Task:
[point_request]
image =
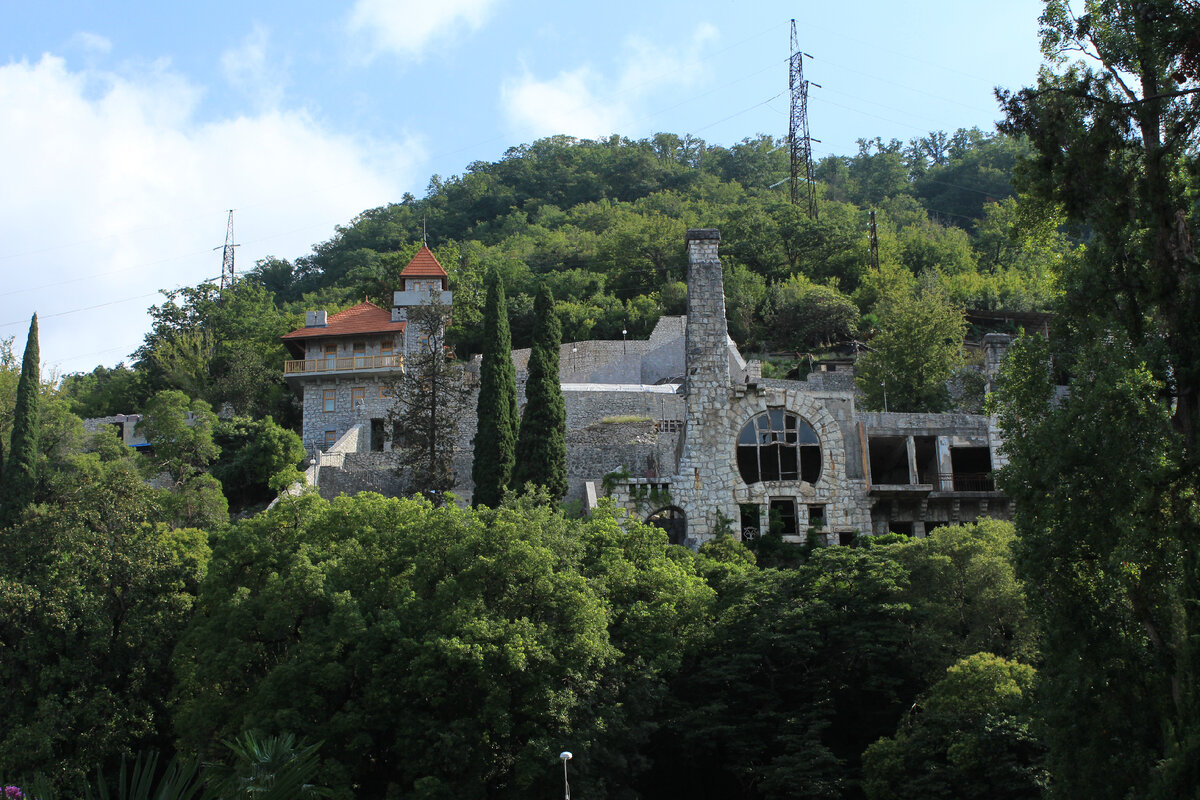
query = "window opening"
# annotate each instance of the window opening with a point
(751, 521)
(672, 520)
(905, 528)
(783, 516)
(778, 446)
(972, 468)
(927, 462)
(360, 355)
(330, 439)
(330, 356)
(889, 459)
(358, 397)
(330, 400)
(376, 435)
(816, 516)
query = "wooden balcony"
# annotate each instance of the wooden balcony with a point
(314, 366)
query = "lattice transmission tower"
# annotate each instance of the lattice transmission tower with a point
(227, 273)
(799, 142)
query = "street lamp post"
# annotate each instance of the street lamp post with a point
(565, 755)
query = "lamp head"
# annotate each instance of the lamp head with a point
(565, 755)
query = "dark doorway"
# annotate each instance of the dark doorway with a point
(672, 520)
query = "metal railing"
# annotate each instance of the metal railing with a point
(960, 481)
(342, 364)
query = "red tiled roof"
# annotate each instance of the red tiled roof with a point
(363, 318)
(423, 265)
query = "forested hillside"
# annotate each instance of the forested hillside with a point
(602, 223)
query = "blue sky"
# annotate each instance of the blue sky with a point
(129, 128)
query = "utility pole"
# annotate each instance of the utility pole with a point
(799, 142)
(227, 273)
(874, 242)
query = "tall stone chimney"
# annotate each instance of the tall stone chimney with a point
(707, 331)
(705, 461)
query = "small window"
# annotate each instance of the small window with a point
(384, 392)
(358, 397)
(816, 516)
(330, 400)
(330, 438)
(330, 356)
(751, 521)
(385, 347)
(360, 355)
(783, 516)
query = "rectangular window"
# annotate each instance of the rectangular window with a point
(384, 393)
(360, 355)
(358, 397)
(783, 516)
(385, 347)
(330, 356)
(330, 438)
(330, 400)
(816, 516)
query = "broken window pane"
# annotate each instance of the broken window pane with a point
(778, 446)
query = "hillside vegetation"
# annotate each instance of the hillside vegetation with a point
(602, 224)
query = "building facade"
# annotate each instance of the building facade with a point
(684, 432)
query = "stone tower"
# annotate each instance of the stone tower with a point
(704, 463)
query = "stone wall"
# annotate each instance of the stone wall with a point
(344, 416)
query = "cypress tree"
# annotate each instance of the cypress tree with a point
(496, 436)
(20, 477)
(542, 441)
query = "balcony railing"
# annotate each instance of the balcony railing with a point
(960, 481)
(342, 364)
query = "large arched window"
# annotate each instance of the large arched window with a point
(778, 446)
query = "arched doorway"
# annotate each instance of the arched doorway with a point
(672, 520)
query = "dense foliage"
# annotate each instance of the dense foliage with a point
(542, 436)
(1105, 481)
(438, 651)
(496, 411)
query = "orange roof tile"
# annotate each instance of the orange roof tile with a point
(363, 318)
(424, 265)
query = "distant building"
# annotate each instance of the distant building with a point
(680, 429)
(341, 362)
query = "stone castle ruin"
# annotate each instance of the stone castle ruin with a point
(679, 429)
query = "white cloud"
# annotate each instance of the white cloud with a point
(250, 70)
(119, 191)
(91, 43)
(408, 27)
(567, 103)
(587, 103)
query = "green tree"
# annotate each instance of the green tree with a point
(94, 591)
(542, 439)
(802, 670)
(252, 453)
(438, 651)
(496, 435)
(430, 398)
(181, 433)
(970, 736)
(1104, 482)
(965, 596)
(20, 472)
(915, 352)
(804, 315)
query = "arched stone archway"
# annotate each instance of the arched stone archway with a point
(671, 519)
